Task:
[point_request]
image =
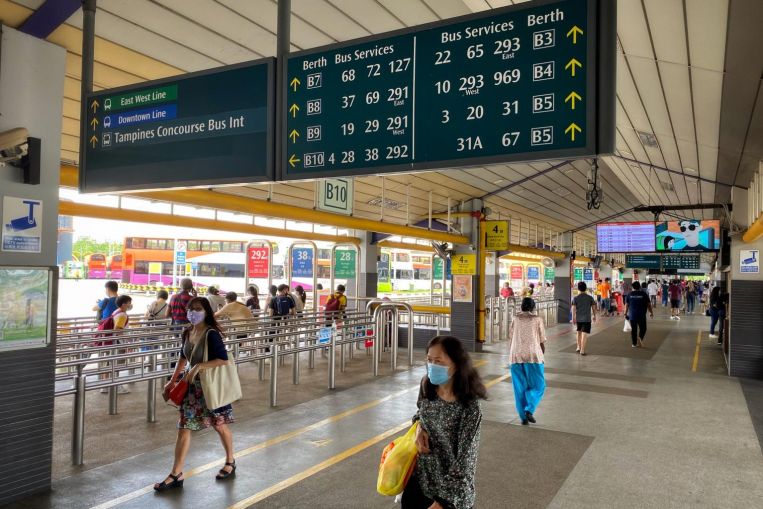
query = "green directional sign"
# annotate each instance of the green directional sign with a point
(578, 274)
(530, 81)
(686, 262)
(549, 274)
(344, 264)
(209, 127)
(642, 261)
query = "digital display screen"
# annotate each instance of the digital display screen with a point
(688, 235)
(637, 237)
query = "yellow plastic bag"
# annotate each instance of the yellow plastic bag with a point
(397, 463)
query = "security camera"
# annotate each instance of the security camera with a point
(13, 144)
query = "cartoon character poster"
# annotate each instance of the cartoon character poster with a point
(689, 235)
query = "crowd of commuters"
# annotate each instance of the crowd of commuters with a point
(449, 414)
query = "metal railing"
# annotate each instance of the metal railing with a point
(147, 351)
(501, 311)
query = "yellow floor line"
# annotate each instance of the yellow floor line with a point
(301, 476)
(262, 445)
(696, 352)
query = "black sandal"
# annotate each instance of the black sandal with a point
(222, 474)
(176, 483)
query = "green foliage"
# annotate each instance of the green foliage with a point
(84, 246)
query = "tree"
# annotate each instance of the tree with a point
(84, 246)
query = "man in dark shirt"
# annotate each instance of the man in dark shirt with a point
(635, 311)
(179, 302)
(674, 290)
(583, 313)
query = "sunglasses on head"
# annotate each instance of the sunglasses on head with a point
(691, 227)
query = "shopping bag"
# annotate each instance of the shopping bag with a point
(221, 385)
(397, 463)
(627, 326)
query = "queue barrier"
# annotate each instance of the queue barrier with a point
(147, 351)
(500, 312)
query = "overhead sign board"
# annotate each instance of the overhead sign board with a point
(464, 264)
(511, 84)
(336, 195)
(686, 262)
(496, 235)
(642, 261)
(208, 127)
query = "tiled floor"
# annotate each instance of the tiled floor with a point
(616, 429)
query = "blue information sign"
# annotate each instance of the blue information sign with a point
(588, 274)
(533, 272)
(302, 262)
(324, 335)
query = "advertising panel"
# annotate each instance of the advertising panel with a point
(688, 235)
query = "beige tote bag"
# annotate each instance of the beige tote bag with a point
(220, 385)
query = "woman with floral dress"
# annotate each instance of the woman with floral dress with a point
(204, 332)
(448, 435)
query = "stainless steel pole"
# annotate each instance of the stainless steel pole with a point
(78, 429)
(332, 359)
(151, 394)
(274, 374)
(394, 339)
(113, 405)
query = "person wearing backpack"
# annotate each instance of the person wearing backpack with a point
(335, 306)
(159, 309)
(105, 307)
(282, 305)
(118, 320)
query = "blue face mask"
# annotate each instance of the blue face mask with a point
(437, 374)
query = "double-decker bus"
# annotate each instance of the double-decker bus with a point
(114, 266)
(96, 266)
(150, 260)
(403, 271)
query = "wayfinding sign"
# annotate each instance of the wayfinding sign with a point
(496, 235)
(209, 127)
(336, 195)
(530, 81)
(344, 263)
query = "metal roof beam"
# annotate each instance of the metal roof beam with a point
(49, 16)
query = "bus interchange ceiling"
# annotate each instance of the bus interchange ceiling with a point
(689, 107)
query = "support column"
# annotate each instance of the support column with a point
(31, 96)
(492, 283)
(563, 289)
(369, 256)
(744, 344)
(465, 316)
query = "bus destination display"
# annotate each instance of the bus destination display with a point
(210, 127)
(507, 85)
(636, 237)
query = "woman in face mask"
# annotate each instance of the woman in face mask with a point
(527, 338)
(448, 436)
(204, 332)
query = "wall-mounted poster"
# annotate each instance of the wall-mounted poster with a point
(462, 288)
(25, 307)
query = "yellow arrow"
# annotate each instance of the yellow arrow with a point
(294, 159)
(294, 83)
(572, 97)
(95, 105)
(571, 64)
(94, 140)
(571, 129)
(294, 109)
(94, 123)
(574, 31)
(293, 135)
